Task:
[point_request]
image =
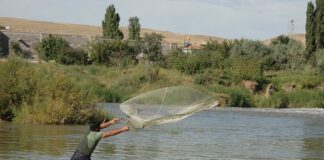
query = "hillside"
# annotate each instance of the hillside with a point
(24, 25)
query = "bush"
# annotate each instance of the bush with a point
(113, 52)
(282, 39)
(17, 86)
(44, 93)
(15, 48)
(246, 68)
(70, 56)
(320, 61)
(152, 47)
(51, 46)
(285, 55)
(249, 48)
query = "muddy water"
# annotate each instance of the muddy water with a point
(214, 134)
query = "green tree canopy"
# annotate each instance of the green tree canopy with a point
(310, 29)
(152, 46)
(51, 46)
(110, 25)
(134, 28)
(319, 24)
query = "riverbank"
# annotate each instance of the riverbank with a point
(50, 93)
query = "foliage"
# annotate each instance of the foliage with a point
(278, 100)
(310, 29)
(113, 52)
(110, 24)
(246, 68)
(319, 24)
(238, 97)
(320, 61)
(15, 48)
(249, 48)
(282, 39)
(42, 94)
(51, 46)
(16, 86)
(285, 56)
(71, 56)
(152, 46)
(134, 28)
(306, 98)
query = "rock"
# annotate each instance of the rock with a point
(251, 85)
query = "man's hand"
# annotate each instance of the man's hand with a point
(114, 121)
(106, 124)
(125, 128)
(115, 132)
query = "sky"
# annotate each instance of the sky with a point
(253, 19)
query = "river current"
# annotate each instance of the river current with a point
(229, 133)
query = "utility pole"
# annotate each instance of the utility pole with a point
(291, 28)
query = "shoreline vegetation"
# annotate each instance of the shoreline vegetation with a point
(240, 73)
(51, 93)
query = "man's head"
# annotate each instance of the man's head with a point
(95, 126)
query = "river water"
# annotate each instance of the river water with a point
(215, 134)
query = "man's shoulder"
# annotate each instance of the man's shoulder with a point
(96, 134)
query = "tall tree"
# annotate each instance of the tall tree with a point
(134, 28)
(110, 25)
(310, 29)
(319, 24)
(152, 46)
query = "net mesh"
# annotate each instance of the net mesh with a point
(166, 105)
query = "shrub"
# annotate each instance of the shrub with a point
(152, 46)
(15, 48)
(113, 52)
(320, 61)
(246, 68)
(44, 93)
(71, 56)
(51, 46)
(285, 55)
(250, 48)
(282, 39)
(17, 86)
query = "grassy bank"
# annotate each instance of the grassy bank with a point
(57, 94)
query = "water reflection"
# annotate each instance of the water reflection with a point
(19, 140)
(313, 148)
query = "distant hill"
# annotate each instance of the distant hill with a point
(24, 25)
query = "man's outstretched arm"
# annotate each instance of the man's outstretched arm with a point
(115, 132)
(106, 124)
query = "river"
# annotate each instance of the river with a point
(214, 134)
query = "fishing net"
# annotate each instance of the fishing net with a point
(166, 105)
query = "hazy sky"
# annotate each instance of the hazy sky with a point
(255, 19)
